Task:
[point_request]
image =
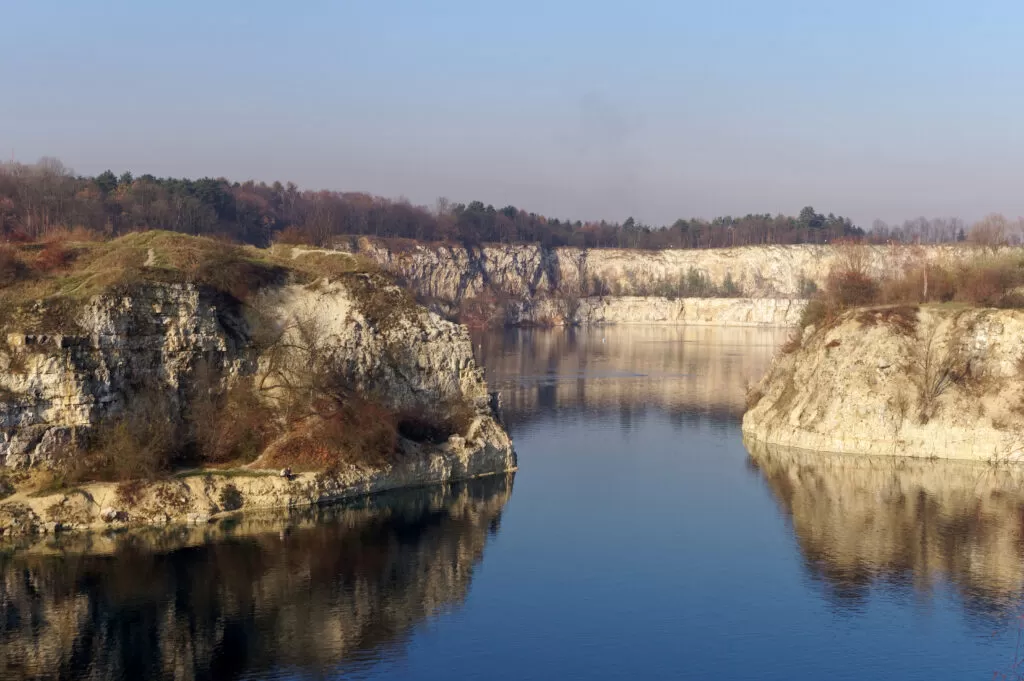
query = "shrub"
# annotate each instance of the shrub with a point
(6, 487)
(54, 256)
(437, 424)
(12, 269)
(850, 288)
(846, 288)
(792, 343)
(729, 287)
(360, 431)
(296, 236)
(990, 282)
(141, 443)
(73, 235)
(231, 498)
(129, 492)
(901, 318)
(807, 287)
(227, 269)
(815, 312)
(230, 425)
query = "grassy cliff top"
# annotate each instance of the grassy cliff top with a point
(41, 283)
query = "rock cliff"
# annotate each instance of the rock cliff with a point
(57, 389)
(933, 381)
(455, 273)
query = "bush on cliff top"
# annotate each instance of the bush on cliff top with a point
(987, 280)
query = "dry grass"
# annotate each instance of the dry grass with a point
(40, 284)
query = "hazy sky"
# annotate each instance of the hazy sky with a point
(579, 108)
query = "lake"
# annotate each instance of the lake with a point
(640, 539)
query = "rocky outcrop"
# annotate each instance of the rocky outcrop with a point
(260, 595)
(56, 389)
(922, 382)
(609, 310)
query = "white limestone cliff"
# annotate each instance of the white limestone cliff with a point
(929, 382)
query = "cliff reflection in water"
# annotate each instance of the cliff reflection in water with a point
(689, 372)
(330, 590)
(864, 522)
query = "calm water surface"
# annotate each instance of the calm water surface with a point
(639, 540)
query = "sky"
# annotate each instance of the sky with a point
(579, 109)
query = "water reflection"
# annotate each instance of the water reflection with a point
(624, 371)
(332, 589)
(908, 525)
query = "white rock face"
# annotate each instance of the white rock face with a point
(419, 360)
(54, 389)
(456, 273)
(934, 382)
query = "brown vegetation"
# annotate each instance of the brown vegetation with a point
(990, 279)
(327, 418)
(38, 199)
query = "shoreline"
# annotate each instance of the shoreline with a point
(207, 495)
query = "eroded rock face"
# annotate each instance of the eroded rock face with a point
(419, 359)
(928, 382)
(54, 389)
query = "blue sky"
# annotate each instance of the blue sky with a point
(580, 109)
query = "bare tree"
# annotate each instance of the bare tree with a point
(991, 231)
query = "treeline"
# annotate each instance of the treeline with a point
(39, 198)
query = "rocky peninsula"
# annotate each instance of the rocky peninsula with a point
(159, 378)
(931, 381)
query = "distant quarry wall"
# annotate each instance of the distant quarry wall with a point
(530, 284)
